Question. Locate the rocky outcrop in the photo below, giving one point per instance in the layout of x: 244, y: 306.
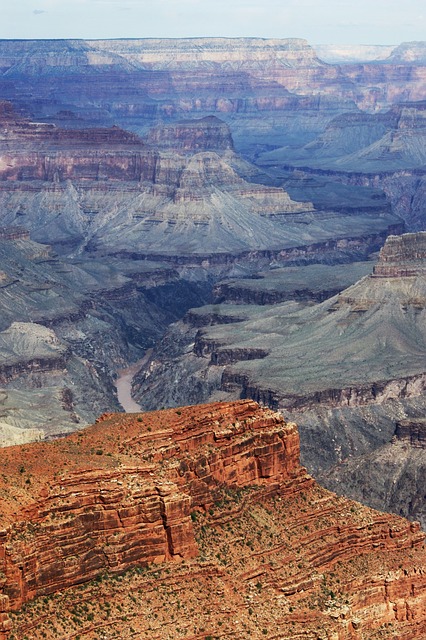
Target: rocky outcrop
x: 304, y: 283
x: 14, y: 233
x: 236, y: 292
x: 273, y: 92
x: 101, y: 514
x: 413, y: 432
x: 391, y: 476
x: 412, y: 52
x: 206, y: 134
x: 287, y: 352
x: 204, y: 347
x: 335, y: 367
x: 402, y: 256
x: 384, y: 151
x: 28, y: 348
x: 258, y: 548
x: 363, y: 143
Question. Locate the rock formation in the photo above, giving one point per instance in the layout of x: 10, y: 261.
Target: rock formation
x: 103, y: 191
x: 316, y: 283
x: 412, y: 432
x: 274, y: 92
x: 402, y: 256
x: 65, y: 330
x: 205, y: 134
x: 384, y: 151
x: 364, y: 143
x: 217, y: 490
x: 413, y: 52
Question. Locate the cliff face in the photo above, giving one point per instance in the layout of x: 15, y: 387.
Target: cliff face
x: 105, y: 515
x: 67, y: 326
x: 385, y: 151
x: 413, y: 432
x: 287, y: 349
x: 207, y: 134
x: 218, y: 488
x: 274, y: 92
x: 392, y: 475
x: 314, y: 283
x: 402, y: 256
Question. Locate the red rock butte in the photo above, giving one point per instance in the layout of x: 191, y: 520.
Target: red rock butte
x: 209, y: 502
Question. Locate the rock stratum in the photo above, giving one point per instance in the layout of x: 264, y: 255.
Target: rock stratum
x: 182, y: 191
x: 197, y: 522
x: 393, y: 474
x: 382, y: 150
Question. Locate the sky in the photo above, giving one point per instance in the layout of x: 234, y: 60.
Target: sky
x: 319, y: 21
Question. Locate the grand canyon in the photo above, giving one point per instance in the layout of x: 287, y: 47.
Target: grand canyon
x: 225, y: 238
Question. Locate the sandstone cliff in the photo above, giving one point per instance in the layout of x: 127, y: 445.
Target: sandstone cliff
x: 258, y: 549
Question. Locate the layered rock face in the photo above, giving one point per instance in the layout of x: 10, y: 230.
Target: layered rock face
x: 152, y: 63
x: 131, y: 504
x: 67, y: 326
x: 96, y: 191
x: 385, y: 151
x: 364, y: 143
x: 316, y: 283
x: 207, y: 134
x: 409, y: 52
x: 33, y: 151
x: 218, y: 488
x: 180, y: 193
x: 274, y: 92
x: 364, y: 325
x: 402, y: 256
x: 413, y: 432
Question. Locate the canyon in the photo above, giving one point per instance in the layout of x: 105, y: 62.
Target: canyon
x: 229, y: 221
x: 94, y: 217
x: 127, y: 525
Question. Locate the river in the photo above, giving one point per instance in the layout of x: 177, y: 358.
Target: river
x: 124, y: 385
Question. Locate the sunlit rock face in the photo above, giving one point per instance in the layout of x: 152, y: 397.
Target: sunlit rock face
x: 209, y: 498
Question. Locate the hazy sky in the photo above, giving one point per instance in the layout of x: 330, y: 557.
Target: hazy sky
x: 319, y: 21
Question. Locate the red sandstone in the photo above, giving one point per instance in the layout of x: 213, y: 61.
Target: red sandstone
x: 221, y: 484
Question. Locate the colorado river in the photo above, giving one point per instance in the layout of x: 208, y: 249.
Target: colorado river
x: 124, y: 385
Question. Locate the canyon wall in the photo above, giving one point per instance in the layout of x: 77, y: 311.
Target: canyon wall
x: 219, y: 491
x: 103, y: 515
